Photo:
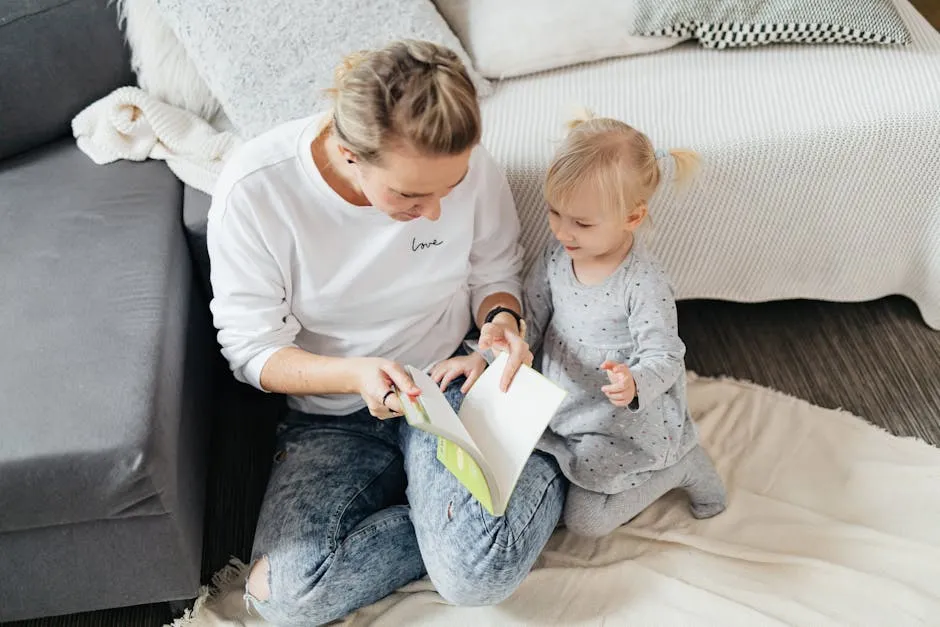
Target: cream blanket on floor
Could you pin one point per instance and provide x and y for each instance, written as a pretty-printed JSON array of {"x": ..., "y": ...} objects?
[
  {"x": 831, "y": 521},
  {"x": 131, "y": 124}
]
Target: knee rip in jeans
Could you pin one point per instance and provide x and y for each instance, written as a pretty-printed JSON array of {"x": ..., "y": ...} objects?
[
  {"x": 259, "y": 580},
  {"x": 450, "y": 511}
]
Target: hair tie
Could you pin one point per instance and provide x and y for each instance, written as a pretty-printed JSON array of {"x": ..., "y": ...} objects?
[{"x": 661, "y": 154}]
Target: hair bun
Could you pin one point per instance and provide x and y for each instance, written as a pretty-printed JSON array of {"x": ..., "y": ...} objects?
[
  {"x": 349, "y": 63},
  {"x": 580, "y": 116}
]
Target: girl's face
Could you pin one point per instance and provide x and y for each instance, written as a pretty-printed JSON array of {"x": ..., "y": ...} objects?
[
  {"x": 587, "y": 231},
  {"x": 407, "y": 185}
]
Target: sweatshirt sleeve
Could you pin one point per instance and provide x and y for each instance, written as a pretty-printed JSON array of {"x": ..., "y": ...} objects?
[
  {"x": 651, "y": 311},
  {"x": 250, "y": 305},
  {"x": 537, "y": 299},
  {"x": 496, "y": 256}
]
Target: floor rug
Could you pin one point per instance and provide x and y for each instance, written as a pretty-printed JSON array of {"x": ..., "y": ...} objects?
[{"x": 831, "y": 521}]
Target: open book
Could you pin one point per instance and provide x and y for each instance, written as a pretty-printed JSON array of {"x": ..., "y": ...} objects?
[{"x": 487, "y": 444}]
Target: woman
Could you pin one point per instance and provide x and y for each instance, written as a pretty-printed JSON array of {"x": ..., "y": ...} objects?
[{"x": 342, "y": 247}]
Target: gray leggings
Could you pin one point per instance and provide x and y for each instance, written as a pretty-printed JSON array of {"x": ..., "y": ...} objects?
[{"x": 595, "y": 514}]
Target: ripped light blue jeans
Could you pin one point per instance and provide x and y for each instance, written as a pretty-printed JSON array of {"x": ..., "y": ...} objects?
[{"x": 357, "y": 507}]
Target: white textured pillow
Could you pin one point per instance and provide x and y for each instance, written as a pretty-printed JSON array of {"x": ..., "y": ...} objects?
[
  {"x": 269, "y": 61},
  {"x": 158, "y": 58},
  {"x": 514, "y": 37}
]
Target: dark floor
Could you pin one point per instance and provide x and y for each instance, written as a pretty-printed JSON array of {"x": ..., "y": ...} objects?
[
  {"x": 929, "y": 9},
  {"x": 877, "y": 360}
]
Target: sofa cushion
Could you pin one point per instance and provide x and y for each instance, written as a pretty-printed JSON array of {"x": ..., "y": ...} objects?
[
  {"x": 269, "y": 61},
  {"x": 196, "y": 220},
  {"x": 94, "y": 289},
  {"x": 56, "y": 58}
]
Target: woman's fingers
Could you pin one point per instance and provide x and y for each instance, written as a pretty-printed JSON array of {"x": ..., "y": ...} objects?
[
  {"x": 509, "y": 371},
  {"x": 391, "y": 376},
  {"x": 389, "y": 409},
  {"x": 493, "y": 336},
  {"x": 391, "y": 404},
  {"x": 519, "y": 354},
  {"x": 401, "y": 379}
]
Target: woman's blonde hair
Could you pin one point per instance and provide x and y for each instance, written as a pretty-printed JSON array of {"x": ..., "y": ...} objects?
[
  {"x": 412, "y": 92},
  {"x": 613, "y": 158}
]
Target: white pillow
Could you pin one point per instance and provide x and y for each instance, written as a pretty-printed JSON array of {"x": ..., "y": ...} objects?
[
  {"x": 269, "y": 61},
  {"x": 514, "y": 37},
  {"x": 158, "y": 58}
]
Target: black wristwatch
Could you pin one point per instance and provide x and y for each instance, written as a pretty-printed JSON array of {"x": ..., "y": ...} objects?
[{"x": 495, "y": 311}]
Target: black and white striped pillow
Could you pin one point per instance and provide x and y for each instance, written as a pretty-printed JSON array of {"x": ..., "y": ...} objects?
[{"x": 741, "y": 23}]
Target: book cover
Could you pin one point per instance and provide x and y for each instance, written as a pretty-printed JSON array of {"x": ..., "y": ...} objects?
[{"x": 467, "y": 471}]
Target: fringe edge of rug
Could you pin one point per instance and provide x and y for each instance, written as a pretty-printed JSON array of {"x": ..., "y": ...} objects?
[
  {"x": 223, "y": 581},
  {"x": 748, "y": 384}
]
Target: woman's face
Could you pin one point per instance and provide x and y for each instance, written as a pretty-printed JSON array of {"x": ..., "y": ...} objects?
[{"x": 407, "y": 185}]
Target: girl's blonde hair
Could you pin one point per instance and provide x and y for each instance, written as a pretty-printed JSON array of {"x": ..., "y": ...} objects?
[
  {"x": 613, "y": 158},
  {"x": 412, "y": 92}
]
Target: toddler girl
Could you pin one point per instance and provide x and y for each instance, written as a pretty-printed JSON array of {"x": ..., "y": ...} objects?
[{"x": 603, "y": 312}]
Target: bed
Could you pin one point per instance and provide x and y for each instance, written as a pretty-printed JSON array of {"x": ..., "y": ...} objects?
[{"x": 821, "y": 164}]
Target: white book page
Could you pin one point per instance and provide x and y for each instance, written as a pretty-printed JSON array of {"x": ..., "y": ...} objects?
[
  {"x": 506, "y": 426},
  {"x": 441, "y": 418}
]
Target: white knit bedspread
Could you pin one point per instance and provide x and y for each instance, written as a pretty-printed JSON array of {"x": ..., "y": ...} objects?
[{"x": 821, "y": 174}]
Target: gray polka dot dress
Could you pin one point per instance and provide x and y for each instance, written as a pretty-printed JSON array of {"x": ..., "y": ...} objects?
[{"x": 630, "y": 318}]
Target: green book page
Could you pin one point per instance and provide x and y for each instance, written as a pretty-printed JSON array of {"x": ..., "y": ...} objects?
[{"x": 462, "y": 466}]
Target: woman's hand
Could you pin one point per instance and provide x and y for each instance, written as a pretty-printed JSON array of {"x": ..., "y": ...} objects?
[
  {"x": 469, "y": 366},
  {"x": 622, "y": 388},
  {"x": 502, "y": 335},
  {"x": 374, "y": 378}
]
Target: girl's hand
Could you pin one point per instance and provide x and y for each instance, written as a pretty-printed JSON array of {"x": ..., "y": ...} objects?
[
  {"x": 374, "y": 378},
  {"x": 622, "y": 388},
  {"x": 503, "y": 336},
  {"x": 469, "y": 366}
]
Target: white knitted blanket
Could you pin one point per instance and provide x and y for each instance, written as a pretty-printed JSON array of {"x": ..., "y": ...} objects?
[{"x": 131, "y": 124}]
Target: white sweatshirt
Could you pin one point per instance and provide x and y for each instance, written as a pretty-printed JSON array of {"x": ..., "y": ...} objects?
[{"x": 294, "y": 264}]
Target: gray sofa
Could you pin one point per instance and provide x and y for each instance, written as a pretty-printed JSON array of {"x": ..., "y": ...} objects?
[{"x": 105, "y": 335}]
